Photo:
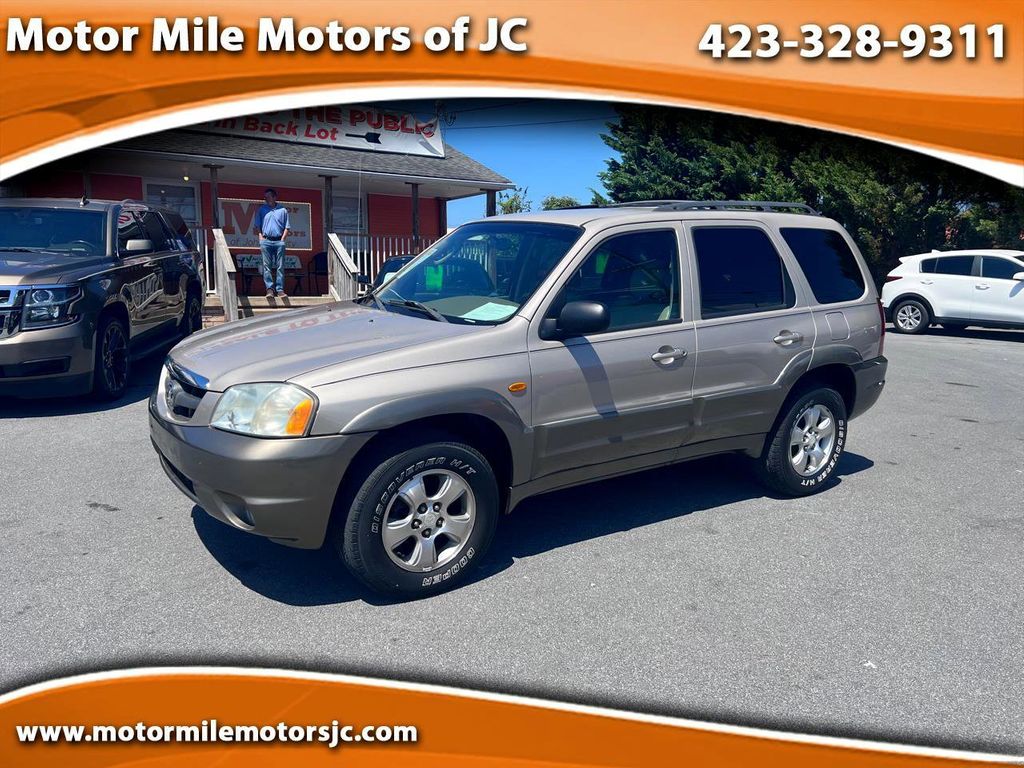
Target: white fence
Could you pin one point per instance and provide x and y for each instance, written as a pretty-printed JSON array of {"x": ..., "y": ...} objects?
[
  {"x": 224, "y": 276},
  {"x": 370, "y": 251}
]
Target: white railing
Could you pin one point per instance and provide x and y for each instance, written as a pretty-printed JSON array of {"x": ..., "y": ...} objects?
[
  {"x": 224, "y": 272},
  {"x": 201, "y": 236},
  {"x": 369, "y": 252},
  {"x": 342, "y": 271}
]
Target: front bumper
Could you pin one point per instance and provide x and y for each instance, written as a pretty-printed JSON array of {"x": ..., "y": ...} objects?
[
  {"x": 869, "y": 379},
  {"x": 281, "y": 489},
  {"x": 48, "y": 362}
]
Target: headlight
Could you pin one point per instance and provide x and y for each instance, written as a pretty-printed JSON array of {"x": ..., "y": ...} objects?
[
  {"x": 49, "y": 306},
  {"x": 265, "y": 410}
]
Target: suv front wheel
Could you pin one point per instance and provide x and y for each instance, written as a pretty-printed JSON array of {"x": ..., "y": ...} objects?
[
  {"x": 113, "y": 359},
  {"x": 806, "y": 445},
  {"x": 421, "y": 520}
]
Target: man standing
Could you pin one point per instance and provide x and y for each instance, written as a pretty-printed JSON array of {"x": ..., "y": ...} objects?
[{"x": 272, "y": 222}]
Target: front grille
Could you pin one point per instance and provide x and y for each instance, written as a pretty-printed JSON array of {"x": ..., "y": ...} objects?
[
  {"x": 181, "y": 396},
  {"x": 10, "y": 311},
  {"x": 10, "y": 322}
]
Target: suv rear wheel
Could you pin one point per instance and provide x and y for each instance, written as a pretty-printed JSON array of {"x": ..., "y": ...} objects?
[
  {"x": 910, "y": 316},
  {"x": 807, "y": 444},
  {"x": 113, "y": 361},
  {"x": 421, "y": 520}
]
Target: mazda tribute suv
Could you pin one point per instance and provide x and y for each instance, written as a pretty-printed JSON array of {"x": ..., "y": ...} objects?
[{"x": 521, "y": 354}]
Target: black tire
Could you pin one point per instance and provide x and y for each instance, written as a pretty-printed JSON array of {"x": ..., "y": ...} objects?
[
  {"x": 192, "y": 319},
  {"x": 776, "y": 465},
  {"x": 113, "y": 364},
  {"x": 361, "y": 542},
  {"x": 918, "y": 317}
]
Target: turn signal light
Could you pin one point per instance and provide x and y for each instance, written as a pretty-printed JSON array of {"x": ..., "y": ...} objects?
[{"x": 298, "y": 419}]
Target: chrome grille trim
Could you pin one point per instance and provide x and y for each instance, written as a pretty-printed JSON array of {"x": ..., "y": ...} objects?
[{"x": 11, "y": 298}]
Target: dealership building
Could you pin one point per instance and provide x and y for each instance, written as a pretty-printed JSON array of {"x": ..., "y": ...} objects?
[{"x": 380, "y": 180}]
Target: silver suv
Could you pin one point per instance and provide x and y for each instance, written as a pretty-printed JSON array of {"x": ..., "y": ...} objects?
[{"x": 518, "y": 355}]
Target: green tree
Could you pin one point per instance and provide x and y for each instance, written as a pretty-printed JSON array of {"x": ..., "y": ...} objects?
[
  {"x": 514, "y": 201},
  {"x": 893, "y": 202},
  {"x": 554, "y": 202}
]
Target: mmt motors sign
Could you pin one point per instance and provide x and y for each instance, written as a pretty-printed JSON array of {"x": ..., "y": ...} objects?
[
  {"x": 238, "y": 220},
  {"x": 349, "y": 127}
]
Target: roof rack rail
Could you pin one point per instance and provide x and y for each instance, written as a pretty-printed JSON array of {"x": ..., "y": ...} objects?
[{"x": 718, "y": 205}]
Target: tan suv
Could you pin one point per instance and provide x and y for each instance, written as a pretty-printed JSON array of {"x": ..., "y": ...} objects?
[{"x": 518, "y": 355}]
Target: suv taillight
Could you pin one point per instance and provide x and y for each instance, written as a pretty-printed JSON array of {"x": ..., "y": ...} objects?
[
  {"x": 891, "y": 278},
  {"x": 881, "y": 320}
]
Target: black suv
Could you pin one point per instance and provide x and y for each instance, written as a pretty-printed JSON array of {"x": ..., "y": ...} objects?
[{"x": 87, "y": 286}]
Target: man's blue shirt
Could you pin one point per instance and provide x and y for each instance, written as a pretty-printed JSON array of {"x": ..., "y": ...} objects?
[{"x": 272, "y": 222}]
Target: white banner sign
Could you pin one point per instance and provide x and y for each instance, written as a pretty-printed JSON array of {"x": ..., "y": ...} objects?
[
  {"x": 349, "y": 127},
  {"x": 238, "y": 220}
]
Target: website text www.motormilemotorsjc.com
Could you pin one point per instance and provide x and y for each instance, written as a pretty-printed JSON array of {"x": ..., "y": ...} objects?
[{"x": 211, "y": 731}]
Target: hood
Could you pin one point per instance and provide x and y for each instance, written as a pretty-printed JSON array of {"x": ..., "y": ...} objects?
[
  {"x": 285, "y": 345},
  {"x": 22, "y": 268}
]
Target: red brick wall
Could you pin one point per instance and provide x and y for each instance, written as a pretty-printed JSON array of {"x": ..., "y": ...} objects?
[
  {"x": 105, "y": 186},
  {"x": 392, "y": 215}
]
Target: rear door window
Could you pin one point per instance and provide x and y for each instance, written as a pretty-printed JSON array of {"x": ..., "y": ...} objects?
[
  {"x": 155, "y": 231},
  {"x": 740, "y": 272},
  {"x": 999, "y": 269},
  {"x": 953, "y": 265},
  {"x": 827, "y": 262}
]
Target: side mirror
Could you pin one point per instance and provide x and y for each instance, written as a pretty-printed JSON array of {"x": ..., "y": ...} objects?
[
  {"x": 1018, "y": 276},
  {"x": 362, "y": 279},
  {"x": 138, "y": 245},
  {"x": 577, "y": 318}
]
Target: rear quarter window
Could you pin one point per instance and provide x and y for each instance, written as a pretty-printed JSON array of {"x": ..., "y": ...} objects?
[
  {"x": 181, "y": 232},
  {"x": 827, "y": 262}
]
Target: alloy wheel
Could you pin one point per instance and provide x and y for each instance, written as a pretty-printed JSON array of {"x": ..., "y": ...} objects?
[
  {"x": 429, "y": 520},
  {"x": 909, "y": 317},
  {"x": 812, "y": 439},
  {"x": 114, "y": 355}
]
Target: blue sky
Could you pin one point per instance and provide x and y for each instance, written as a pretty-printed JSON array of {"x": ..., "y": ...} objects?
[{"x": 551, "y": 147}]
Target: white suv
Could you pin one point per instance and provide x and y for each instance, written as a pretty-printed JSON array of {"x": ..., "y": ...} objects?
[{"x": 956, "y": 289}]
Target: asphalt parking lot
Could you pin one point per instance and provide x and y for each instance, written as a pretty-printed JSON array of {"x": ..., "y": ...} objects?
[{"x": 891, "y": 606}]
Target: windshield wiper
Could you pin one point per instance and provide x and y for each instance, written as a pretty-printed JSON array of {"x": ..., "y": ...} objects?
[
  {"x": 413, "y": 304},
  {"x": 18, "y": 248}
]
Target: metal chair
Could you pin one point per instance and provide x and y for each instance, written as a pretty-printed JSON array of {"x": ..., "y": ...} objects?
[{"x": 317, "y": 268}]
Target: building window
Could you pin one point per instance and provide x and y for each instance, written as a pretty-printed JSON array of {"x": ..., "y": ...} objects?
[
  {"x": 178, "y": 197},
  {"x": 348, "y": 215}
]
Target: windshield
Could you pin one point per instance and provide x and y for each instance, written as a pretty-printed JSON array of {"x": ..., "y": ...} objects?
[
  {"x": 480, "y": 273},
  {"x": 54, "y": 229}
]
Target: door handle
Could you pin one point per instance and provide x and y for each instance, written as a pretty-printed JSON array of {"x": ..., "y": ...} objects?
[
  {"x": 982, "y": 286},
  {"x": 927, "y": 282},
  {"x": 668, "y": 355},
  {"x": 785, "y": 338}
]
